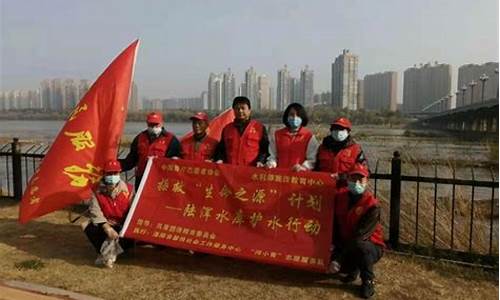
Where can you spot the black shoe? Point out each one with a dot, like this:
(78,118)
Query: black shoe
(350,277)
(367,289)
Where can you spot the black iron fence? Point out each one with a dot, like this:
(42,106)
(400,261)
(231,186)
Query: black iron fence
(427,215)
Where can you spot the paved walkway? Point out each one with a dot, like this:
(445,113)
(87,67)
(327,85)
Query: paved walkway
(18,290)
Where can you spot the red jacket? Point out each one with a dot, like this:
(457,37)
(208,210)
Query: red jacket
(348,218)
(157,148)
(291,149)
(205,151)
(340,162)
(115,209)
(243,150)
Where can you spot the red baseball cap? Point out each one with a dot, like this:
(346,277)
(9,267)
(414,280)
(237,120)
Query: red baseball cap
(154,118)
(360,169)
(343,122)
(112,165)
(200,116)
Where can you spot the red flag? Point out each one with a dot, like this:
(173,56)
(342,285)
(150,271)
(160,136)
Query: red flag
(89,138)
(218,123)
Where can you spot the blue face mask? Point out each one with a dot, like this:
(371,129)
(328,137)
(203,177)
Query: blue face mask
(340,135)
(357,188)
(111,179)
(294,122)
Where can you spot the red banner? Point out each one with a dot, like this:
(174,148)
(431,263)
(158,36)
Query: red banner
(272,216)
(89,138)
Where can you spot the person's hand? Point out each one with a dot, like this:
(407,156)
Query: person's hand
(335,176)
(174,157)
(334,267)
(271,165)
(298,168)
(260,165)
(110,232)
(220,161)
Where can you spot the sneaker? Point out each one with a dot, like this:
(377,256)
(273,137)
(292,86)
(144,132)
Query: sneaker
(109,263)
(99,261)
(350,277)
(367,289)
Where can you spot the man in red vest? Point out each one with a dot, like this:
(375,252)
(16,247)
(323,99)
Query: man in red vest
(244,141)
(339,152)
(108,209)
(199,146)
(154,141)
(358,241)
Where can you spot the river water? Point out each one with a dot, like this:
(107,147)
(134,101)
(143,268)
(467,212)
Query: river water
(378,143)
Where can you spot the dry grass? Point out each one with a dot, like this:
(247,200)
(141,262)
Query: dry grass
(147,273)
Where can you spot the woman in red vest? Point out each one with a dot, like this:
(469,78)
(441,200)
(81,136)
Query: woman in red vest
(199,146)
(108,209)
(154,141)
(358,240)
(294,146)
(244,141)
(339,152)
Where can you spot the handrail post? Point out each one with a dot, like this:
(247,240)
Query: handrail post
(395,200)
(17,172)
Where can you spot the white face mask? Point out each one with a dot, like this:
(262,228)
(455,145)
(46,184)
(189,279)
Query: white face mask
(340,135)
(154,131)
(111,179)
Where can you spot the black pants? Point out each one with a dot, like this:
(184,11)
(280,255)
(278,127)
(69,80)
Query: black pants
(97,236)
(360,256)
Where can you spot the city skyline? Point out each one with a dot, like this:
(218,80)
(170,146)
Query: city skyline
(181,43)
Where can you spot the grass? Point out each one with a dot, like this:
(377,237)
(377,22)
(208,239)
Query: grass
(149,273)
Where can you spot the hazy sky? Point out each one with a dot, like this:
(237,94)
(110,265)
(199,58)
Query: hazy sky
(183,41)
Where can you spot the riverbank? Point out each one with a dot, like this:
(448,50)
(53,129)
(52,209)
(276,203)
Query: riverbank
(64,260)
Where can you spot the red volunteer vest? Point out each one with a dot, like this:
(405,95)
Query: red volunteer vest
(115,209)
(291,149)
(157,148)
(341,162)
(205,151)
(348,219)
(243,150)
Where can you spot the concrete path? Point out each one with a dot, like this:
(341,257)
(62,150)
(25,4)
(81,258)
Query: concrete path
(18,290)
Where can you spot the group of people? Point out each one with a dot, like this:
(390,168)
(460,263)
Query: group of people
(357,242)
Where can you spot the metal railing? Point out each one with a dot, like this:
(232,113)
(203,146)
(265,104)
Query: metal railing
(415,221)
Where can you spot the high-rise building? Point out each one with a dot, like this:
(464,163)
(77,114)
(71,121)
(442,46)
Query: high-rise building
(204,99)
(83,88)
(272,98)
(361,94)
(56,95)
(283,89)
(242,89)
(264,97)
(215,101)
(380,91)
(133,103)
(307,87)
(69,96)
(344,81)
(228,88)
(45,94)
(294,86)
(251,86)
(424,86)
(472,72)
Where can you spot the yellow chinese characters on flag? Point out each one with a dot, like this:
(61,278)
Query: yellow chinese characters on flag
(89,138)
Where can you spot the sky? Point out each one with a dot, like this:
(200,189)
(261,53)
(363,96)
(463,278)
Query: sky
(183,41)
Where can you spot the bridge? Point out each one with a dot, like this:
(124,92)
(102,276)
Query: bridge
(479,117)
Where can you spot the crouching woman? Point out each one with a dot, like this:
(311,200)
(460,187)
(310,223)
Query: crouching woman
(358,237)
(108,209)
